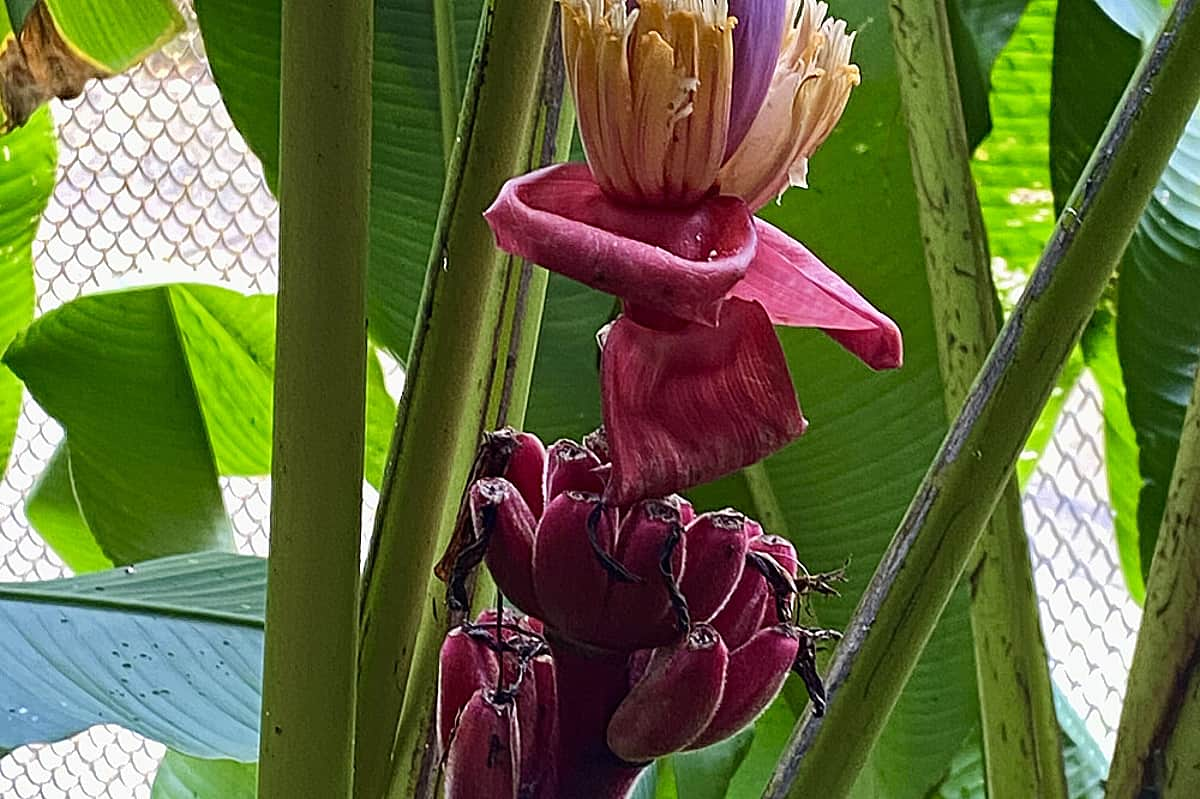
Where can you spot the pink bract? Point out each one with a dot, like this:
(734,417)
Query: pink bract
(694,383)
(682,407)
(682,260)
(797,290)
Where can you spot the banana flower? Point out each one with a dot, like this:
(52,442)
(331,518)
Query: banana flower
(693,115)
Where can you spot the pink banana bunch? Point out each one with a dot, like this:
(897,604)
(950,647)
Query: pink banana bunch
(650,629)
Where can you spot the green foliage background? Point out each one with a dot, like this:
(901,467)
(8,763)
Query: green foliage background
(163,390)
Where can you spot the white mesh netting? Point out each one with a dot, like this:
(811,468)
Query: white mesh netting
(155,183)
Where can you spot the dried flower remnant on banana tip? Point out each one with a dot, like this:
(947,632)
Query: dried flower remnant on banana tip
(693,114)
(651,629)
(496,707)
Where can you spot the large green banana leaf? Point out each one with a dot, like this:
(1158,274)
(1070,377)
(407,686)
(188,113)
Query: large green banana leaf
(160,390)
(27,162)
(182,777)
(420,67)
(171,649)
(1155,335)
(114,371)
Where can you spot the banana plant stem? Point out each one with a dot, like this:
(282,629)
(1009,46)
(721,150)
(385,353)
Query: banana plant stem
(1020,731)
(446,397)
(512,367)
(306,745)
(1163,695)
(942,526)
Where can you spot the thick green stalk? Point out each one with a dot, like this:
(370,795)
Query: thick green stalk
(320,387)
(511,393)
(939,532)
(766,503)
(451,368)
(1164,679)
(512,370)
(1020,731)
(1022,744)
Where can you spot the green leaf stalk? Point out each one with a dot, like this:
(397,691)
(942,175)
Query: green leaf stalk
(469,369)
(307,726)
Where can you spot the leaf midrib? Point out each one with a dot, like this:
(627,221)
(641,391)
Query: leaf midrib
(45,593)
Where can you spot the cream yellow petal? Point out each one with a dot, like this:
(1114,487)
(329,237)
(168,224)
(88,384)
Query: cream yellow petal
(810,89)
(652,88)
(655,105)
(757,170)
(682,28)
(706,141)
(616,101)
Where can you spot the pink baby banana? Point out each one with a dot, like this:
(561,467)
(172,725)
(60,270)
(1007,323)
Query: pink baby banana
(675,699)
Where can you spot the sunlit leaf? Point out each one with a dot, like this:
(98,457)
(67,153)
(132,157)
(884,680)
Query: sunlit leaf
(228,341)
(381,416)
(1012,176)
(175,388)
(27,161)
(115,34)
(1012,166)
(51,48)
(111,368)
(53,511)
(183,777)
(410,133)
